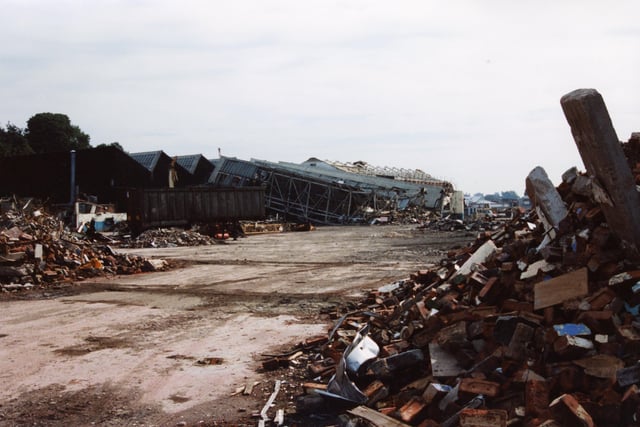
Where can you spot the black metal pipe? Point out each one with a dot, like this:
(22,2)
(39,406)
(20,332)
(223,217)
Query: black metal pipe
(73,178)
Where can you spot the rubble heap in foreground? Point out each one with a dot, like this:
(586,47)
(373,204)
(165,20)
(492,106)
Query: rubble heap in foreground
(37,251)
(536,324)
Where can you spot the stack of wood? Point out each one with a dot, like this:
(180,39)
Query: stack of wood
(535,324)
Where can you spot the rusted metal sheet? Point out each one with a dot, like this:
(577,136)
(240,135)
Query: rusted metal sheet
(182,206)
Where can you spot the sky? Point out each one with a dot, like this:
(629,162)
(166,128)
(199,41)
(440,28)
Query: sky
(465,90)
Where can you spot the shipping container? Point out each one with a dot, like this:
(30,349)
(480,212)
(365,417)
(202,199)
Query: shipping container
(171,207)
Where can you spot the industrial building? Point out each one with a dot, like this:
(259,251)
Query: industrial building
(332,193)
(315,191)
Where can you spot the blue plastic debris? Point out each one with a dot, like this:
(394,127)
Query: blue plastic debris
(572,329)
(634,311)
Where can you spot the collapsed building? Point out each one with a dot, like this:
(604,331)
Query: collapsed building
(537,323)
(315,191)
(332,193)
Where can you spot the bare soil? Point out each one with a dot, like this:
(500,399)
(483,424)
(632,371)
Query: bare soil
(172,348)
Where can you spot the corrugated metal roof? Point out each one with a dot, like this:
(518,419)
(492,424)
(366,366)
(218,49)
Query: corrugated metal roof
(340,176)
(232,167)
(148,159)
(376,184)
(410,175)
(232,171)
(238,167)
(190,161)
(216,162)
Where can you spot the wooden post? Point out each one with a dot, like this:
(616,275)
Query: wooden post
(604,160)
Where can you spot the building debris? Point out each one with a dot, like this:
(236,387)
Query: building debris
(36,250)
(536,323)
(484,330)
(168,238)
(326,193)
(92,217)
(263,413)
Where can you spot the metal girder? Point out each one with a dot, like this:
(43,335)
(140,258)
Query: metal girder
(311,200)
(313,194)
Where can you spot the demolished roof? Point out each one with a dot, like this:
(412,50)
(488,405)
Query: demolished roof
(400,174)
(360,181)
(321,193)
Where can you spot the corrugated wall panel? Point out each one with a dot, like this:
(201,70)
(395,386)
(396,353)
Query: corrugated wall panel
(180,206)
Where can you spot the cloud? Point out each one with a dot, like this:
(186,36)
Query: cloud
(468,90)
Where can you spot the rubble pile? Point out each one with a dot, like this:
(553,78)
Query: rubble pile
(256,227)
(450,224)
(509,327)
(37,250)
(168,238)
(408,216)
(536,324)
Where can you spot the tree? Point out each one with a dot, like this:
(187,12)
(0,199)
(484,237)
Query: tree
(13,141)
(115,144)
(53,132)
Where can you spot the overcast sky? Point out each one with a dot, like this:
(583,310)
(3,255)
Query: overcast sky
(467,91)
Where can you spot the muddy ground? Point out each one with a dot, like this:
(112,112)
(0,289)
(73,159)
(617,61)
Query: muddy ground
(172,348)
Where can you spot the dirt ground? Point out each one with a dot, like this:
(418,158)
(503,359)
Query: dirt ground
(171,348)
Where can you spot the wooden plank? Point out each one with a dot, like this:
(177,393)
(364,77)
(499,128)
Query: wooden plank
(604,159)
(555,291)
(376,418)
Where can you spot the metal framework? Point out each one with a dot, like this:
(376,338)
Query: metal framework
(408,175)
(306,199)
(305,193)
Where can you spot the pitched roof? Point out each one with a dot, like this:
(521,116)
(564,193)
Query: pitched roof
(148,159)
(190,161)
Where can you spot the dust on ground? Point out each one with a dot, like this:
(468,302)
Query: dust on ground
(172,348)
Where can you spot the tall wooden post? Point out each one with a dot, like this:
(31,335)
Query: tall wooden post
(604,160)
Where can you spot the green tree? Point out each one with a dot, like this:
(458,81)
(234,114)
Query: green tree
(13,141)
(53,132)
(115,144)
